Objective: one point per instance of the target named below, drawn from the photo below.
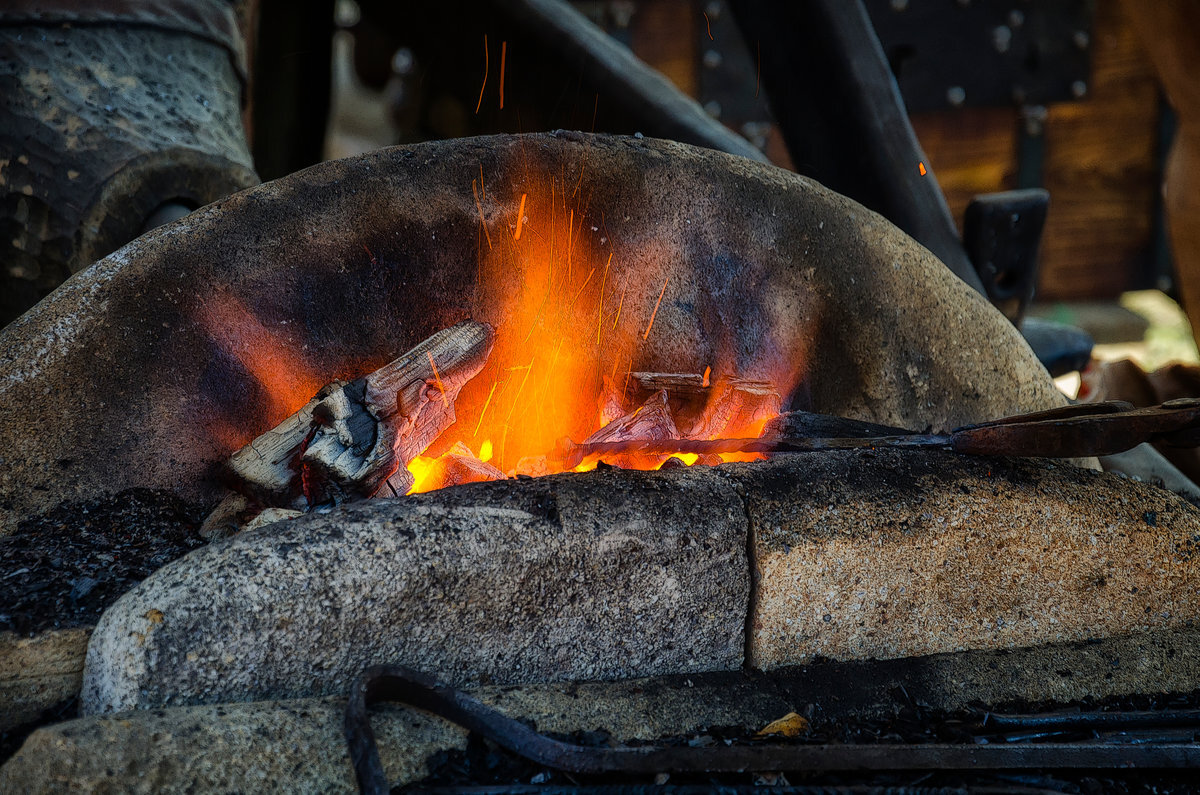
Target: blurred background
(994, 96)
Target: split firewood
(271, 516)
(456, 466)
(610, 405)
(676, 384)
(708, 407)
(736, 406)
(651, 420)
(353, 438)
(533, 466)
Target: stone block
(39, 672)
(601, 575)
(892, 553)
(297, 745)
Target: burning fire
(563, 363)
(560, 390)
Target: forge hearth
(596, 261)
(151, 368)
(612, 574)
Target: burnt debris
(62, 569)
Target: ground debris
(64, 568)
(484, 763)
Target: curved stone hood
(153, 365)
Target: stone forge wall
(883, 554)
(593, 576)
(616, 574)
(152, 366)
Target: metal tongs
(1078, 431)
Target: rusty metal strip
(1090, 429)
(404, 685)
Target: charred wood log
(651, 420)
(352, 438)
(533, 466)
(676, 384)
(610, 405)
(706, 407)
(736, 407)
(456, 466)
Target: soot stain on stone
(226, 382)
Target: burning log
(610, 405)
(710, 408)
(456, 466)
(736, 406)
(651, 420)
(533, 466)
(676, 384)
(353, 438)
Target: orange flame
(562, 341)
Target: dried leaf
(790, 725)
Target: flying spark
(655, 312)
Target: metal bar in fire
(1079, 431)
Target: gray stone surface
(892, 553)
(1157, 661)
(594, 576)
(298, 745)
(39, 672)
(283, 746)
(154, 365)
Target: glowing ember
(654, 314)
(438, 378)
(503, 57)
(479, 104)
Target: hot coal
(64, 568)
